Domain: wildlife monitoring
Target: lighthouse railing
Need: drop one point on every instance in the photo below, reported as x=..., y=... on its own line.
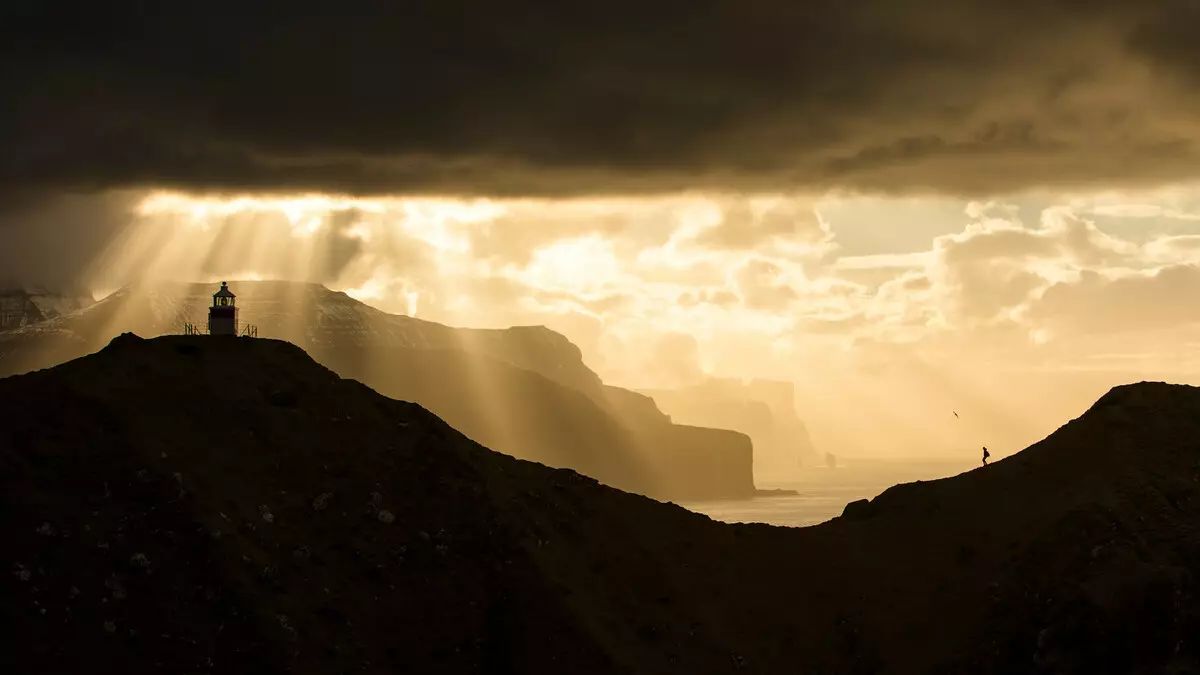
x=247, y=330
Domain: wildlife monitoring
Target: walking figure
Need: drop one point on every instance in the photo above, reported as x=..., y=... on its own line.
x=986, y=454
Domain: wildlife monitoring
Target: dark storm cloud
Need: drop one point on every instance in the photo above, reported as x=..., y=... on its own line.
x=573, y=96
x=48, y=241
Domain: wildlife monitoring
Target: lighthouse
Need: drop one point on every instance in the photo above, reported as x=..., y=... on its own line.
x=222, y=316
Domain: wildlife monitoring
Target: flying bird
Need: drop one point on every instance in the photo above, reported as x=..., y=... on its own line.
x=955, y=413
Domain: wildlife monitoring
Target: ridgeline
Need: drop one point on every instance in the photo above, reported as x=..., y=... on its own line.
x=208, y=505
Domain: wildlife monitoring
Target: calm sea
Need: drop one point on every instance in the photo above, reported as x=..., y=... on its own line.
x=824, y=492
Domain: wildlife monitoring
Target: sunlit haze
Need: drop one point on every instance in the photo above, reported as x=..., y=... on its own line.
x=888, y=314
x=907, y=209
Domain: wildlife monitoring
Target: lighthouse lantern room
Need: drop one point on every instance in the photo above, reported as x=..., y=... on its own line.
x=222, y=316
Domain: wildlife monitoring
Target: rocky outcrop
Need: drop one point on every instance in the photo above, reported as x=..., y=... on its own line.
x=524, y=391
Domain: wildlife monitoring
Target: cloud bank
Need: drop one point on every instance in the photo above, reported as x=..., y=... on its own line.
x=573, y=97
x=1017, y=316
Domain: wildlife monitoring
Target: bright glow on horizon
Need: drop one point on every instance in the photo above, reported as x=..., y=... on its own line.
x=942, y=307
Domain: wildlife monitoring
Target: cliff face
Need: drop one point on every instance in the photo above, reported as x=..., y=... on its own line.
x=229, y=506
x=636, y=409
x=22, y=307
x=524, y=391
x=714, y=463
x=762, y=409
x=515, y=411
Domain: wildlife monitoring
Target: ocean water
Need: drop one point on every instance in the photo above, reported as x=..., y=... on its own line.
x=824, y=492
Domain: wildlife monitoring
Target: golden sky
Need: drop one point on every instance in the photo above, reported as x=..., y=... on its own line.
x=887, y=313
x=973, y=214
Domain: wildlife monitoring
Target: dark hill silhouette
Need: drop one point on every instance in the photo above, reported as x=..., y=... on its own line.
x=217, y=505
x=524, y=390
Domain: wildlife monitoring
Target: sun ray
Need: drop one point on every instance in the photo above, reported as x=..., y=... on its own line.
x=652, y=266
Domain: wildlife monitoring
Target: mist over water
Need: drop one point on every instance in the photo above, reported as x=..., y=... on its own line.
x=823, y=492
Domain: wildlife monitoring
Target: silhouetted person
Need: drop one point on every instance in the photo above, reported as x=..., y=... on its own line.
x=986, y=454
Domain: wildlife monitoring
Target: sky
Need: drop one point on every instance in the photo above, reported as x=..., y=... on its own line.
x=908, y=208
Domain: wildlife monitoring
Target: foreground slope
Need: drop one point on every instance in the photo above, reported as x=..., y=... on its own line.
x=229, y=506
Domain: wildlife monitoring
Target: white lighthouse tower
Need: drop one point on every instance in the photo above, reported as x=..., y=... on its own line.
x=223, y=315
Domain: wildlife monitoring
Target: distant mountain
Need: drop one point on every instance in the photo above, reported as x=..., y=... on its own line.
x=318, y=317
x=201, y=505
x=524, y=390
x=765, y=410
x=20, y=307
